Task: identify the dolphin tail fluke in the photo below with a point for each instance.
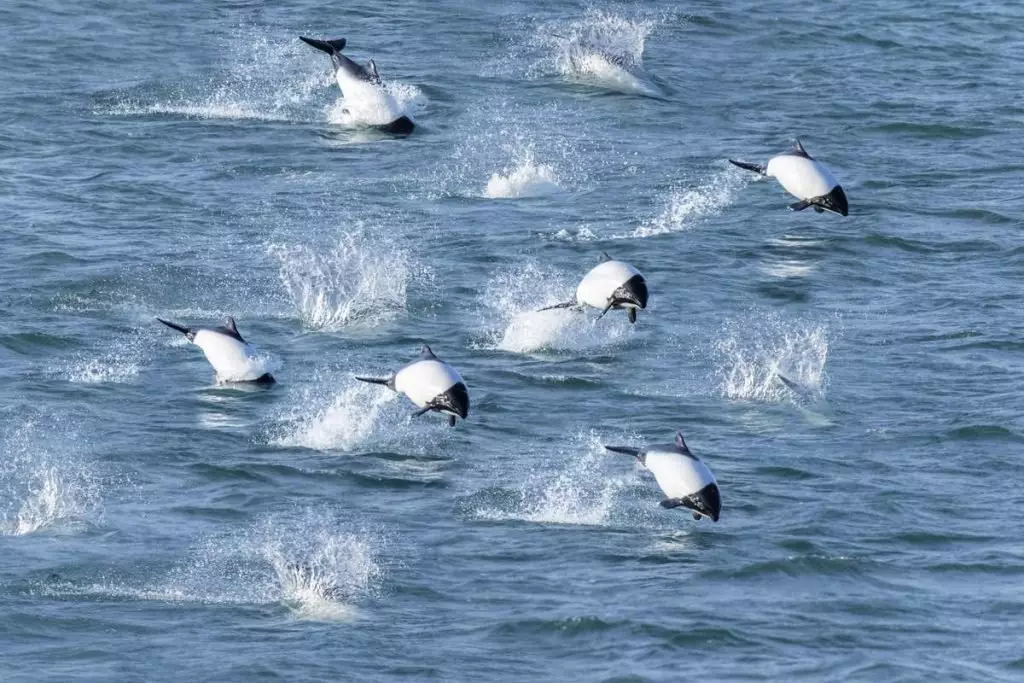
(626, 450)
(756, 168)
(331, 47)
(175, 326)
(388, 382)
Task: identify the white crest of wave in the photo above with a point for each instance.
(582, 492)
(40, 490)
(524, 178)
(685, 207)
(517, 325)
(359, 279)
(752, 352)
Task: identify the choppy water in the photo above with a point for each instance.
(186, 159)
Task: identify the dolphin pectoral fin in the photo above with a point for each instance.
(388, 382)
(670, 503)
(756, 168)
(175, 326)
(423, 411)
(567, 304)
(631, 313)
(329, 46)
(626, 450)
(801, 205)
(606, 309)
(451, 420)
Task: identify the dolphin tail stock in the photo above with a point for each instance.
(756, 168)
(388, 382)
(175, 326)
(331, 47)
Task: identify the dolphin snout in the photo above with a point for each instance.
(708, 501)
(455, 400)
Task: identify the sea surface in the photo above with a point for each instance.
(189, 160)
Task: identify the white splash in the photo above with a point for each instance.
(350, 419)
(686, 207)
(751, 353)
(311, 564)
(525, 178)
(583, 492)
(360, 279)
(602, 49)
(267, 78)
(40, 490)
(357, 111)
(516, 325)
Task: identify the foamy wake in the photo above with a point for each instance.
(601, 49)
(266, 78)
(360, 279)
(42, 490)
(686, 207)
(516, 325)
(583, 492)
(313, 565)
(524, 178)
(751, 353)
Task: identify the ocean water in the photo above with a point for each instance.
(191, 160)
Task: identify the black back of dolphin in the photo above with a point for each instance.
(333, 48)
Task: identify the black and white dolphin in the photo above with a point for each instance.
(365, 96)
(804, 178)
(610, 284)
(431, 384)
(232, 358)
(682, 476)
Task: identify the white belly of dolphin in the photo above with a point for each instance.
(232, 360)
(678, 475)
(368, 104)
(598, 285)
(801, 177)
(425, 380)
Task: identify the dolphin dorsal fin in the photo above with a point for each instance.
(798, 149)
(681, 442)
(605, 257)
(371, 70)
(427, 354)
(230, 324)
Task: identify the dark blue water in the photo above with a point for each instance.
(189, 160)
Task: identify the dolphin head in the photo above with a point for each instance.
(707, 501)
(454, 401)
(835, 201)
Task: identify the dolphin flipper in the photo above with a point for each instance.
(567, 304)
(175, 326)
(631, 314)
(606, 309)
(670, 503)
(388, 382)
(756, 168)
(801, 205)
(627, 450)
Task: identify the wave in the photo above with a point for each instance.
(525, 178)
(516, 325)
(752, 352)
(311, 564)
(41, 490)
(360, 279)
(685, 207)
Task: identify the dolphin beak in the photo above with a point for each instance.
(454, 401)
(835, 201)
(708, 501)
